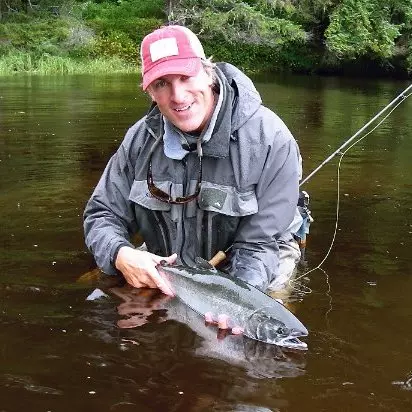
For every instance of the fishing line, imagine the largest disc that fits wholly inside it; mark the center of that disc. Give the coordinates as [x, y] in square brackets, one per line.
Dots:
[342, 154]
[377, 116]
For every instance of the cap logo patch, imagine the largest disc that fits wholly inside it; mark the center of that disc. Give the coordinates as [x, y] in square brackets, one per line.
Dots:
[163, 48]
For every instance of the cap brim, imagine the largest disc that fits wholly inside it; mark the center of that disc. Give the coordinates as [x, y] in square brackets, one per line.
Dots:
[185, 67]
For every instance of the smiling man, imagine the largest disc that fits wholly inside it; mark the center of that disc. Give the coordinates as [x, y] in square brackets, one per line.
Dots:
[208, 168]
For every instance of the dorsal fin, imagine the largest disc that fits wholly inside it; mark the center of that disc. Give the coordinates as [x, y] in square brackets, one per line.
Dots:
[204, 264]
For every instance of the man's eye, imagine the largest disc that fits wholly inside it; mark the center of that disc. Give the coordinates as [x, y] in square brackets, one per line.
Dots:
[184, 78]
[159, 84]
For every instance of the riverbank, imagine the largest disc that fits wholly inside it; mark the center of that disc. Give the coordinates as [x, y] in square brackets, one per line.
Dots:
[25, 63]
[104, 36]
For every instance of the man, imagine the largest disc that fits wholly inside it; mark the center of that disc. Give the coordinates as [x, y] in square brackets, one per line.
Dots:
[208, 169]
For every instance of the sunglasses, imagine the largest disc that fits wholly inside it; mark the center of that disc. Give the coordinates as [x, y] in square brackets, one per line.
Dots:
[165, 197]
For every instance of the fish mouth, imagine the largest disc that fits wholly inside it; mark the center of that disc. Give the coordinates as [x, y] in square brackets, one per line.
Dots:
[292, 342]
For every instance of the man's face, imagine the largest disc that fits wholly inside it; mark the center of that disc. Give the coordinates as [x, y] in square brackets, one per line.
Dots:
[187, 102]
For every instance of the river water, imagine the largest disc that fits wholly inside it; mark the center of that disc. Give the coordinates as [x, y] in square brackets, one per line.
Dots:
[60, 352]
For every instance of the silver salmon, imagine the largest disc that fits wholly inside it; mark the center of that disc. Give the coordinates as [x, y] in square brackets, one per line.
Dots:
[205, 289]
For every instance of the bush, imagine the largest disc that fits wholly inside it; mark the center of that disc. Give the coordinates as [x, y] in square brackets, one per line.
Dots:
[124, 9]
[135, 18]
[22, 62]
[80, 41]
[32, 36]
[134, 27]
[116, 44]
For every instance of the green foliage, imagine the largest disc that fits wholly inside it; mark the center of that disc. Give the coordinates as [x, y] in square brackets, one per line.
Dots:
[134, 27]
[39, 36]
[280, 9]
[409, 63]
[107, 10]
[116, 44]
[80, 40]
[362, 27]
[236, 21]
[135, 18]
[15, 10]
[253, 34]
[245, 56]
[244, 34]
[22, 62]
[18, 17]
[120, 26]
[54, 32]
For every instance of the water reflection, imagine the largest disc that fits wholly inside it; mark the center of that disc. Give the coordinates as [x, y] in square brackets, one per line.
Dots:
[27, 383]
[142, 306]
[56, 135]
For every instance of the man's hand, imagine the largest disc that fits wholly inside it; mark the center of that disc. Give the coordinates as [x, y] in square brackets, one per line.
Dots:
[224, 324]
[139, 269]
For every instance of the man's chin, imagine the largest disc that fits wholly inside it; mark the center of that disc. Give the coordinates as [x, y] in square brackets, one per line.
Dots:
[188, 127]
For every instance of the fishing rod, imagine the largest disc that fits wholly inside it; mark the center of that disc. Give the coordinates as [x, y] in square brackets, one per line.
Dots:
[395, 102]
[221, 255]
[401, 96]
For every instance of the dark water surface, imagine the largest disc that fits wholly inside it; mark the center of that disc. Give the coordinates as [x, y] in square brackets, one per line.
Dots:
[59, 352]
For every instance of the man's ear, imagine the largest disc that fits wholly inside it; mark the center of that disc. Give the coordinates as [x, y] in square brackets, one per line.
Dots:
[210, 78]
[151, 95]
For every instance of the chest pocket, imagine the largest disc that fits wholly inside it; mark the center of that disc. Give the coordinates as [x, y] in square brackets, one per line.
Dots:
[227, 200]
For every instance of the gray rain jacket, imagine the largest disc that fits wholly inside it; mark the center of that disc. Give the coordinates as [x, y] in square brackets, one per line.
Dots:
[249, 189]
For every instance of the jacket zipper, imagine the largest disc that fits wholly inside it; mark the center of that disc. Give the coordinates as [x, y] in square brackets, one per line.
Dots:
[160, 221]
[184, 164]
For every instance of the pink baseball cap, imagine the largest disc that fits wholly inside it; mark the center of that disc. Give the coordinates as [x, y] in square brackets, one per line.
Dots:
[170, 50]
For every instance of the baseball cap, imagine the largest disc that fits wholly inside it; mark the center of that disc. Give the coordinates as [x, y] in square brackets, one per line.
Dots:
[170, 50]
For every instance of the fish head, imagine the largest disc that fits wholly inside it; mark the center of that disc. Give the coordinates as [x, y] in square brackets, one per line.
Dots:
[267, 326]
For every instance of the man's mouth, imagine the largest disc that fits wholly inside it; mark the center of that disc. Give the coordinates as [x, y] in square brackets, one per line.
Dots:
[182, 109]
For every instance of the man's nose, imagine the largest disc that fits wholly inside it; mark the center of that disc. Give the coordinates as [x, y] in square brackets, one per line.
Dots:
[178, 93]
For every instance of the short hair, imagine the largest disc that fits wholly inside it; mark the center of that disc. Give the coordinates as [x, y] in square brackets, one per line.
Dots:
[210, 68]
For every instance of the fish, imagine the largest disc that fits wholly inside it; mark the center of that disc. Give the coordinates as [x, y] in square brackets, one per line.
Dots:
[142, 306]
[205, 289]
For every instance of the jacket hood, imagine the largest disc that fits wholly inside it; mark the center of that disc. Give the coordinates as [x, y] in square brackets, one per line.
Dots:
[247, 98]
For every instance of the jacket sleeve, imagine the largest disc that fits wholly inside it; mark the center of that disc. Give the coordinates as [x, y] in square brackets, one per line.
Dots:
[109, 219]
[255, 254]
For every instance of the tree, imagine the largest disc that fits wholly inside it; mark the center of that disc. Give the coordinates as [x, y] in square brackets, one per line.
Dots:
[236, 22]
[363, 28]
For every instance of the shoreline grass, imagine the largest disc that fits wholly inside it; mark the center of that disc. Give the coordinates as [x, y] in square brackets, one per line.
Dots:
[25, 63]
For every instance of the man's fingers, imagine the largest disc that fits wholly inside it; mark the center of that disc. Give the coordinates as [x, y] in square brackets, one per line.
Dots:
[168, 259]
[171, 259]
[209, 317]
[223, 321]
[160, 282]
[143, 281]
[134, 282]
[224, 324]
